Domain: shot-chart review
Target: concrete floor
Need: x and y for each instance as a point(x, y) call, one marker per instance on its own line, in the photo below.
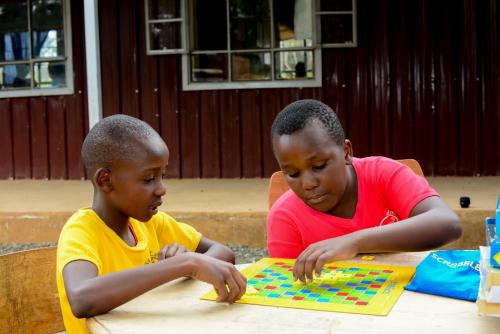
point(232, 211)
point(212, 195)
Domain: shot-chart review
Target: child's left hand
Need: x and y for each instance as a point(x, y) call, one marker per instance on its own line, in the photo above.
point(171, 250)
point(316, 255)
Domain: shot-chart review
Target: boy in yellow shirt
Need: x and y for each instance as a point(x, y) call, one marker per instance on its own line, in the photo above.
point(103, 251)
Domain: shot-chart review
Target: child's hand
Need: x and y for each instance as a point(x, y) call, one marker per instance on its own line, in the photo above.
point(228, 282)
point(316, 255)
point(171, 250)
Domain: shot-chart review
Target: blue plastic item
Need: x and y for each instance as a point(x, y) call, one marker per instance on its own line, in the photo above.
point(493, 236)
point(448, 273)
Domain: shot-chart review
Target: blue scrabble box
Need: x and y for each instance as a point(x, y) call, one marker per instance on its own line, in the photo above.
point(493, 236)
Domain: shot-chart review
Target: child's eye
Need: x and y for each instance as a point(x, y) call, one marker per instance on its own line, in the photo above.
point(293, 174)
point(319, 166)
point(149, 179)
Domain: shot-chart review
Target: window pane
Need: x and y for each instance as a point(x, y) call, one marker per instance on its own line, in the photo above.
point(209, 67)
point(336, 6)
point(291, 65)
point(48, 44)
point(14, 43)
point(251, 66)
point(209, 25)
point(164, 9)
point(15, 76)
point(250, 24)
point(336, 28)
point(49, 75)
point(47, 28)
point(164, 36)
point(46, 15)
point(292, 23)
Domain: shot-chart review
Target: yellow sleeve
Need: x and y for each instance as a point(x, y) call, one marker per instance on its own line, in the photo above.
point(77, 243)
point(170, 231)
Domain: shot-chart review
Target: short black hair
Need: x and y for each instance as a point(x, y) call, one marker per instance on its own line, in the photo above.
point(299, 114)
point(114, 138)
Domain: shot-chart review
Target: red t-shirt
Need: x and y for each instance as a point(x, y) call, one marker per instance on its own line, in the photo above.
point(387, 192)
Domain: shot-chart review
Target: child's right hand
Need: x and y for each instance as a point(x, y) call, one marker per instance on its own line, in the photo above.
point(314, 257)
point(228, 282)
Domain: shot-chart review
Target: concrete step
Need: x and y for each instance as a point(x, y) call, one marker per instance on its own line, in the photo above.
point(231, 211)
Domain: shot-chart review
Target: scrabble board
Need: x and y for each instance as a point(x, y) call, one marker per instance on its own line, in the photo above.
point(342, 287)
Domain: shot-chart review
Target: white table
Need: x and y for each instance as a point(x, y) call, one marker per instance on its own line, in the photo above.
point(175, 307)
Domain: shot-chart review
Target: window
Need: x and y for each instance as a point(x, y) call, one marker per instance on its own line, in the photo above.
point(164, 26)
point(35, 48)
point(248, 43)
point(337, 23)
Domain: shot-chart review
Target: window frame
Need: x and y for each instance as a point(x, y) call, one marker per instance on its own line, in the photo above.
point(68, 59)
point(318, 13)
point(186, 51)
point(188, 85)
point(183, 30)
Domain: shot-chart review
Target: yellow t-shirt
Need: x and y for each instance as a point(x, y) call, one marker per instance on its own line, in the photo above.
point(86, 237)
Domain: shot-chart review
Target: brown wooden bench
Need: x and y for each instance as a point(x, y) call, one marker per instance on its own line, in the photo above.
point(29, 301)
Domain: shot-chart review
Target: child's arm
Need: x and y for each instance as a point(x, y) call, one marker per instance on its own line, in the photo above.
point(206, 246)
point(216, 250)
point(431, 224)
point(90, 294)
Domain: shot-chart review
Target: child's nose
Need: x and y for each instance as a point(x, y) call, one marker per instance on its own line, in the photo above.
point(309, 181)
point(161, 189)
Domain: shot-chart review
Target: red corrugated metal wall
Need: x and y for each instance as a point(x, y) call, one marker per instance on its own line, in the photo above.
point(41, 137)
point(423, 82)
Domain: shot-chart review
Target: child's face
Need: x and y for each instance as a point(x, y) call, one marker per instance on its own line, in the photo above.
point(314, 166)
point(137, 182)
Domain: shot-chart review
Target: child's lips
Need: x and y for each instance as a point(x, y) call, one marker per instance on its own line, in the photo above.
point(316, 198)
point(156, 205)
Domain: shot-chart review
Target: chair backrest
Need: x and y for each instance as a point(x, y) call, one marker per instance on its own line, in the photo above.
point(414, 166)
point(29, 301)
point(278, 185)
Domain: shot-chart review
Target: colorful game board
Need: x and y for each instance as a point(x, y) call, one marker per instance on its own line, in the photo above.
point(342, 287)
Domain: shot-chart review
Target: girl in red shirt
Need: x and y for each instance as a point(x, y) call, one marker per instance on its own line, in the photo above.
point(339, 206)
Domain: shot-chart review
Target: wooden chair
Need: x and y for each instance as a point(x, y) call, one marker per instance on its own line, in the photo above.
point(414, 166)
point(29, 301)
point(278, 185)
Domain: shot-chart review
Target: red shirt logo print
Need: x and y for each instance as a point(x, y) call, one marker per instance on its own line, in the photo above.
point(390, 217)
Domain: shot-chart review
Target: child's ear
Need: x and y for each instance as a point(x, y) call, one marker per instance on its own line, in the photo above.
point(348, 152)
point(102, 179)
